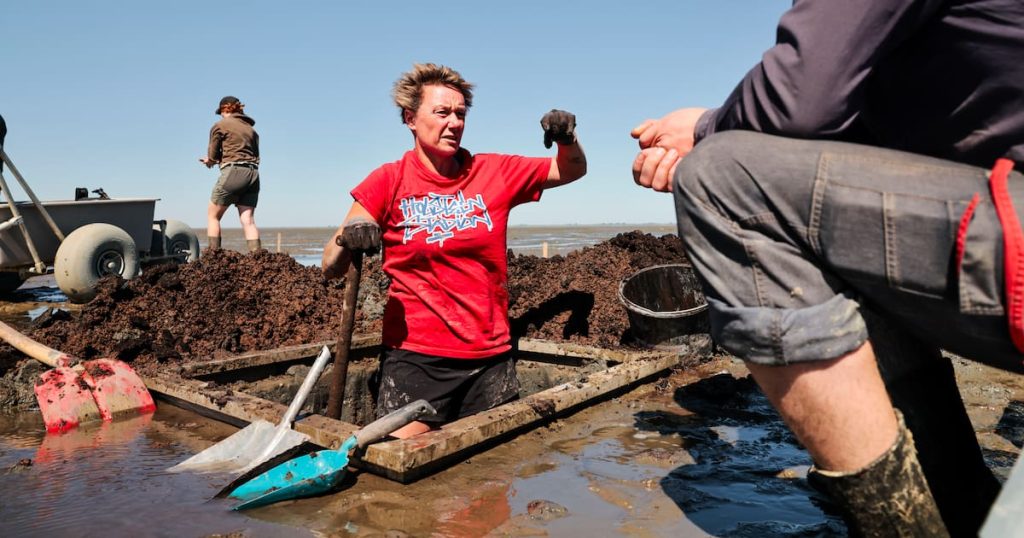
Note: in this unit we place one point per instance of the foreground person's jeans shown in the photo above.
(795, 240)
(789, 236)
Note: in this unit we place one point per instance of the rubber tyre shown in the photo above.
(9, 282)
(180, 238)
(91, 253)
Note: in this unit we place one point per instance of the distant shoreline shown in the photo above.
(613, 225)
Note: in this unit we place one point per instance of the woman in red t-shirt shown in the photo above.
(440, 214)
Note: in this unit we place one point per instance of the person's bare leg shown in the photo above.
(214, 213)
(864, 456)
(839, 409)
(247, 217)
(411, 429)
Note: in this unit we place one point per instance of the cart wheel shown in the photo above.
(91, 253)
(9, 282)
(180, 238)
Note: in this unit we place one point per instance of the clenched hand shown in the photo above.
(559, 126)
(360, 235)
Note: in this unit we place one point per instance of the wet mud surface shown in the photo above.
(696, 453)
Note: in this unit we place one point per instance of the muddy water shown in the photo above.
(694, 454)
(684, 456)
(110, 480)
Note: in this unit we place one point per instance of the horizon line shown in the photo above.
(510, 225)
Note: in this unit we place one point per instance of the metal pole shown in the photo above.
(39, 267)
(32, 196)
(339, 375)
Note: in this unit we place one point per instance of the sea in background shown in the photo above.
(306, 245)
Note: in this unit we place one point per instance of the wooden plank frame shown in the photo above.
(406, 460)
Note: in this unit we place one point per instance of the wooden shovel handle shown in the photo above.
(339, 375)
(28, 346)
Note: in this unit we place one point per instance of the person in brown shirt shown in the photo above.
(235, 147)
(3, 135)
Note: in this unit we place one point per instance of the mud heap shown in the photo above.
(227, 303)
(575, 297)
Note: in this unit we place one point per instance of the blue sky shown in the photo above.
(120, 95)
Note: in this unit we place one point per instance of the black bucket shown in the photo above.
(667, 309)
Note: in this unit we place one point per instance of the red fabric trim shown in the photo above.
(1013, 246)
(961, 232)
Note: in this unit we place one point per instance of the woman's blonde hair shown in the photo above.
(408, 89)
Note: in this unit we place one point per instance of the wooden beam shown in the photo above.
(239, 408)
(272, 356)
(566, 349)
(409, 459)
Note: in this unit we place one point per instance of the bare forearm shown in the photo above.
(336, 258)
(570, 164)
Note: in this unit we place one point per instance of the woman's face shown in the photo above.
(438, 123)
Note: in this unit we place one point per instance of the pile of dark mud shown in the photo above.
(576, 297)
(228, 303)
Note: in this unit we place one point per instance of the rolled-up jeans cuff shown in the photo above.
(780, 336)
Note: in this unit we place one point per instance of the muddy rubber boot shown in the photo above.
(922, 384)
(253, 244)
(213, 242)
(889, 497)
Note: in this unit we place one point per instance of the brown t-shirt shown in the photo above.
(232, 139)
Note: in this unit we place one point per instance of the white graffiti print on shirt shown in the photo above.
(440, 216)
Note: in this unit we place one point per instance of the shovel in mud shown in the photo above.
(260, 440)
(75, 392)
(321, 471)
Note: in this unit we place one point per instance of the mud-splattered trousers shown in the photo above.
(798, 242)
(791, 236)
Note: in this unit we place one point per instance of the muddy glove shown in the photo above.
(559, 126)
(360, 235)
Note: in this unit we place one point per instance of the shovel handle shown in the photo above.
(390, 422)
(285, 425)
(339, 375)
(305, 388)
(46, 355)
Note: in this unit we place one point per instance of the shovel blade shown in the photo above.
(242, 451)
(301, 477)
(65, 399)
(117, 389)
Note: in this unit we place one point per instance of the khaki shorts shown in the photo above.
(238, 185)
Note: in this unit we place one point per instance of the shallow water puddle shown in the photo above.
(709, 458)
(110, 480)
(690, 476)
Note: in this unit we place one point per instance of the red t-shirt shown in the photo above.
(445, 249)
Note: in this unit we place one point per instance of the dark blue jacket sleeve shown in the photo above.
(812, 82)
